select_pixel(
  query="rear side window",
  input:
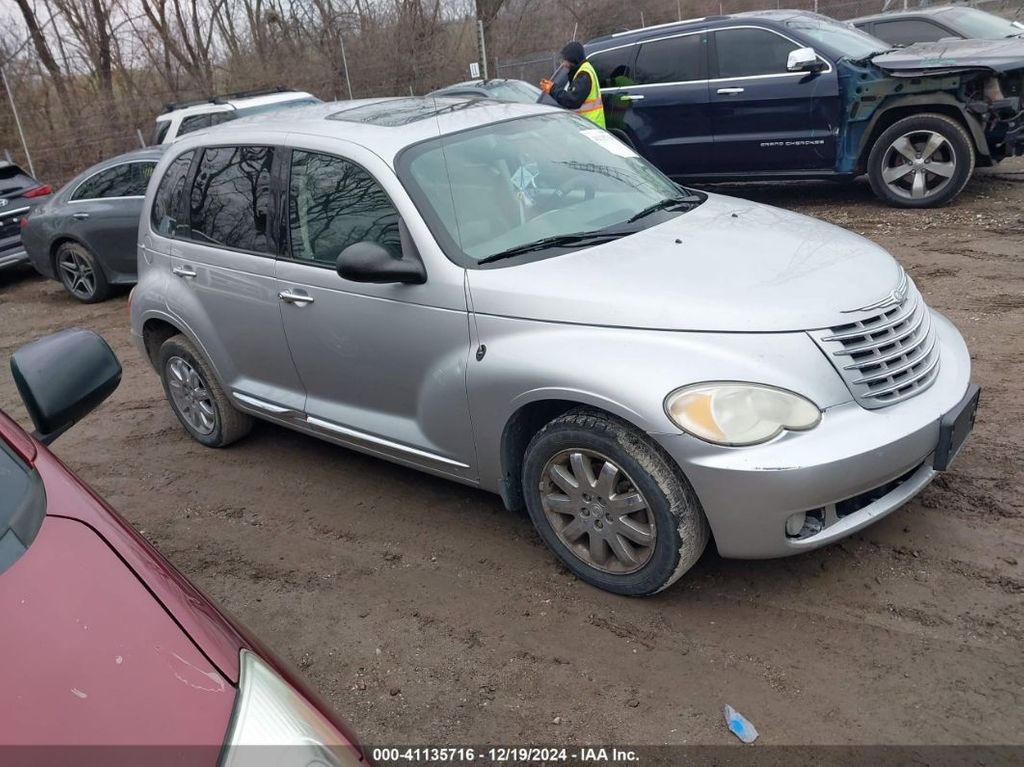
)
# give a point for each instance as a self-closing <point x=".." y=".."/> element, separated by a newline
<point x="751" y="52"/>
<point x="675" y="60"/>
<point x="907" y="31"/>
<point x="167" y="201"/>
<point x="126" y="180"/>
<point x="193" y="123"/>
<point x="230" y="198"/>
<point x="160" y="132"/>
<point x="333" y="203"/>
<point x="615" y="68"/>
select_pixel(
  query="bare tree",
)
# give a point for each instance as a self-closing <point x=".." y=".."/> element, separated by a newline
<point x="43" y="49"/>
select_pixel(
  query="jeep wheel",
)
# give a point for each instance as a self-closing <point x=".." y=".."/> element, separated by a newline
<point x="613" y="508"/>
<point x="197" y="398"/>
<point x="921" y="162"/>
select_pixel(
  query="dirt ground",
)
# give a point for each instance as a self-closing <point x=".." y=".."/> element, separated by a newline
<point x="425" y="613"/>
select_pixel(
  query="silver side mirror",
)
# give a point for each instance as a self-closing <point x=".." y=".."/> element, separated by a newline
<point x="804" y="60"/>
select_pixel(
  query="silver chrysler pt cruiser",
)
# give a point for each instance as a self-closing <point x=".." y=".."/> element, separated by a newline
<point x="506" y="296"/>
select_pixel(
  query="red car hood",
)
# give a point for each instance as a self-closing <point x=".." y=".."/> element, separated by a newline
<point x="74" y="671"/>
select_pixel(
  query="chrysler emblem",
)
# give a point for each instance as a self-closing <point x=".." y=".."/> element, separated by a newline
<point x="895" y="297"/>
<point x="2" y="203"/>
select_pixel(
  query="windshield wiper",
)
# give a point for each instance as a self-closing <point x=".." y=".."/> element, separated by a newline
<point x="557" y="241"/>
<point x="666" y="204"/>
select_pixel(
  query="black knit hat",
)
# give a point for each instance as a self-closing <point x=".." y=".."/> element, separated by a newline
<point x="574" y="53"/>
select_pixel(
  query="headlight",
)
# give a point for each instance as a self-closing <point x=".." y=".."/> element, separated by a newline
<point x="269" y="712"/>
<point x="739" y="413"/>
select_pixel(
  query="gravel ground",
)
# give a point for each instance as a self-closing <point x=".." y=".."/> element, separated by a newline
<point x="426" y="613"/>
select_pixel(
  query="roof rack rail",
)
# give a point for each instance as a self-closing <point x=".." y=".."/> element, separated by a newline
<point x="222" y="98"/>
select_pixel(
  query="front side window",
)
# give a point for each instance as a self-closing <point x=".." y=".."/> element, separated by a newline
<point x="615" y="68"/>
<point x="751" y="52"/>
<point x="334" y="203"/>
<point x="908" y="31"/>
<point x="675" y="60"/>
<point x="230" y="198"/>
<point x="167" y="200"/>
<point x="536" y="185"/>
<point x="126" y="180"/>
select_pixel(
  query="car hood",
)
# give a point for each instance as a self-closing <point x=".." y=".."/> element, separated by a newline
<point x="727" y="265"/>
<point x="954" y="56"/>
<point x="92" y="658"/>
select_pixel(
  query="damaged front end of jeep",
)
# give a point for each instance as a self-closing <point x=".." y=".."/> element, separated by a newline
<point x="981" y="83"/>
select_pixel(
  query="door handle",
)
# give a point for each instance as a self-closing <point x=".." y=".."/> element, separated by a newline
<point x="729" y="91"/>
<point x="295" y="298"/>
<point x="632" y="97"/>
<point x="80" y="216"/>
<point x="184" y="271"/>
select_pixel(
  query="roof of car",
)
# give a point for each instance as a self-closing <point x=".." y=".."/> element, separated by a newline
<point x="626" y="36"/>
<point x="221" y="104"/>
<point x="386" y="125"/>
<point x="934" y="11"/>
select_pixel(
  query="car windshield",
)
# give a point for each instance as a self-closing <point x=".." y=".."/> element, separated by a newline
<point x="847" y="41"/>
<point x="977" y="24"/>
<point x="514" y="91"/>
<point x="23" y="507"/>
<point x="534" y="184"/>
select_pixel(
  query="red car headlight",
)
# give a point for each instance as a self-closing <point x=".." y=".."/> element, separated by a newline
<point x="270" y="712"/>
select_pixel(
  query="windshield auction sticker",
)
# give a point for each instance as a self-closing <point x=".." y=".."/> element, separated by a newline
<point x="609" y="142"/>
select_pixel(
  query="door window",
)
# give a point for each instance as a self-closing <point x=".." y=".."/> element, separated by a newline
<point x="907" y="31"/>
<point x="334" y="203"/>
<point x="751" y="52"/>
<point x="675" y="60"/>
<point x="614" y="68"/>
<point x="126" y="180"/>
<point x="167" y="200"/>
<point x="230" y="198"/>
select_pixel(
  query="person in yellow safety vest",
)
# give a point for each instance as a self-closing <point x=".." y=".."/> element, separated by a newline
<point x="582" y="92"/>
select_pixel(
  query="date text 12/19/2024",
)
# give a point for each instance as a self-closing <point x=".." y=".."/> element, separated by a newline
<point x="456" y="755"/>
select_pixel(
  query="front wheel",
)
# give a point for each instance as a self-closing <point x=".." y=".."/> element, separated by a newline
<point x="922" y="161"/>
<point x="613" y="508"/>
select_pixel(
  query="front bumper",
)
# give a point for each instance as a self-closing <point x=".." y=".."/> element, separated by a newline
<point x="748" y="493"/>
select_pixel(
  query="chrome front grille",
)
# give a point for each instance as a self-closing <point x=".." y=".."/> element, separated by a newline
<point x="888" y="355"/>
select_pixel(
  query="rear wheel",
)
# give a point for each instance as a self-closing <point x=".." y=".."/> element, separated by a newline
<point x="613" y="508"/>
<point x="196" y="397"/>
<point x="80" y="274"/>
<point x="921" y="162"/>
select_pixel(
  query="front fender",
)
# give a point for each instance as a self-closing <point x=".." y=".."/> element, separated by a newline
<point x="626" y="372"/>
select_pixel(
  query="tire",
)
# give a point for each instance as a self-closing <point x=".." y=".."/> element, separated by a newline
<point x="680" y="530"/>
<point x="908" y="178"/>
<point x="196" y="396"/>
<point x="80" y="273"/>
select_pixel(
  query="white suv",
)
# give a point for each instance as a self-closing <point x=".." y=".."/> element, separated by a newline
<point x="187" y="116"/>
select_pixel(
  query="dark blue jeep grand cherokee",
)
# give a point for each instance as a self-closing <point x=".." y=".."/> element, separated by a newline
<point x="792" y="94"/>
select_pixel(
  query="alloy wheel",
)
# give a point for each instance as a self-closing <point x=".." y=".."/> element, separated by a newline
<point x="597" y="511"/>
<point x="191" y="396"/>
<point x="918" y="164"/>
<point x="77" y="274"/>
